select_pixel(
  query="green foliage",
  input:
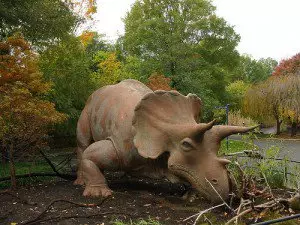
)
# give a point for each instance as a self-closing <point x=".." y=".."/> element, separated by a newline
<point x="131" y="68"/>
<point x="111" y="71"/>
<point x="267" y="169"/>
<point x="272" y="170"/>
<point x="235" y="93"/>
<point x="193" y="84"/>
<point x="94" y="42"/>
<point x="41" y="21"/>
<point x="185" y="41"/>
<point x="67" y="66"/>
<point x="250" y="70"/>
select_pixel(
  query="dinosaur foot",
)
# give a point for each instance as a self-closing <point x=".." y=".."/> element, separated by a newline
<point x="79" y="181"/>
<point x="100" y="190"/>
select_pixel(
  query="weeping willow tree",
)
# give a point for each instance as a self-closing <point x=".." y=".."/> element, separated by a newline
<point x="277" y="98"/>
<point x="289" y="91"/>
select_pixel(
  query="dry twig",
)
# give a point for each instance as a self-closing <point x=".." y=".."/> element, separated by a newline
<point x="238" y="216"/>
<point x="199" y="214"/>
<point x="219" y="195"/>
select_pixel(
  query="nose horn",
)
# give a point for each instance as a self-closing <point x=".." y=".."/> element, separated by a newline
<point x="224" y="131"/>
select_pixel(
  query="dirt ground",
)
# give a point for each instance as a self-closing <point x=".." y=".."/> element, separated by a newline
<point x="132" y="199"/>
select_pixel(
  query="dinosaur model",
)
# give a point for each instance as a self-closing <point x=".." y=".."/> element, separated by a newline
<point x="128" y="127"/>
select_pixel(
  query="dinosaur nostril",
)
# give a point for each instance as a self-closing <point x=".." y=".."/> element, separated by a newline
<point x="214" y="181"/>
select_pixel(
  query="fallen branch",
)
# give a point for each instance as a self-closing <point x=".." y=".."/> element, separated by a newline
<point x="262" y="206"/>
<point x="53" y="167"/>
<point x="249" y="153"/>
<point x="37" y="219"/>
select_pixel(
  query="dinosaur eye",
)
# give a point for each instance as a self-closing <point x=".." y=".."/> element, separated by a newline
<point x="186" y="145"/>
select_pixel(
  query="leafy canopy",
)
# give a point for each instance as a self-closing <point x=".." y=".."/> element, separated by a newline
<point x="252" y="71"/>
<point x="289" y="66"/>
<point x="184" y="40"/>
<point x="177" y="35"/>
<point x="68" y="66"/>
<point x="40" y="21"/>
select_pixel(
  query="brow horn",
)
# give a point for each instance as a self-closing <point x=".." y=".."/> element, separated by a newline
<point x="202" y="127"/>
<point x="224" y="131"/>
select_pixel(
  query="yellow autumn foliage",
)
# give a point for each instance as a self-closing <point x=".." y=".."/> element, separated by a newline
<point x="25" y="116"/>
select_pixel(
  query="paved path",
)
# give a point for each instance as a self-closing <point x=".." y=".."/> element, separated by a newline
<point x="289" y="148"/>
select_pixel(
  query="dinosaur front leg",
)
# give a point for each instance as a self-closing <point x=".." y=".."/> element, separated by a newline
<point x="97" y="157"/>
<point x="79" y="180"/>
<point x="84" y="139"/>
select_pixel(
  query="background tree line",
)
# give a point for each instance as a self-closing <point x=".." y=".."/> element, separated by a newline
<point x="48" y="70"/>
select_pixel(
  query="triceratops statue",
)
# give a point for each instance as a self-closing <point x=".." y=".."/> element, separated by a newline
<point x="129" y="127"/>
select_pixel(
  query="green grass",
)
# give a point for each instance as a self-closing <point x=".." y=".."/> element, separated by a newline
<point x="26" y="168"/>
<point x="137" y="222"/>
<point x="235" y="146"/>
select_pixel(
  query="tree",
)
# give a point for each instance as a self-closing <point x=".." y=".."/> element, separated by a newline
<point x="184" y="40"/>
<point x="109" y="68"/>
<point x="262" y="103"/>
<point x="276" y="98"/>
<point x="288" y="90"/>
<point x="68" y="66"/>
<point x="111" y="71"/>
<point x="289" y="70"/>
<point x="253" y="71"/>
<point x="40" y="21"/>
<point x="289" y="66"/>
<point x="25" y="116"/>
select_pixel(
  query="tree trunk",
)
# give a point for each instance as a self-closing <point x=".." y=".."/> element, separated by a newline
<point x="294" y="129"/>
<point x="3" y="158"/>
<point x="12" y="167"/>
<point x="278" y="124"/>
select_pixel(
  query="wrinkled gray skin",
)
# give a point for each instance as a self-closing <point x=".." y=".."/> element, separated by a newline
<point x="130" y="128"/>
